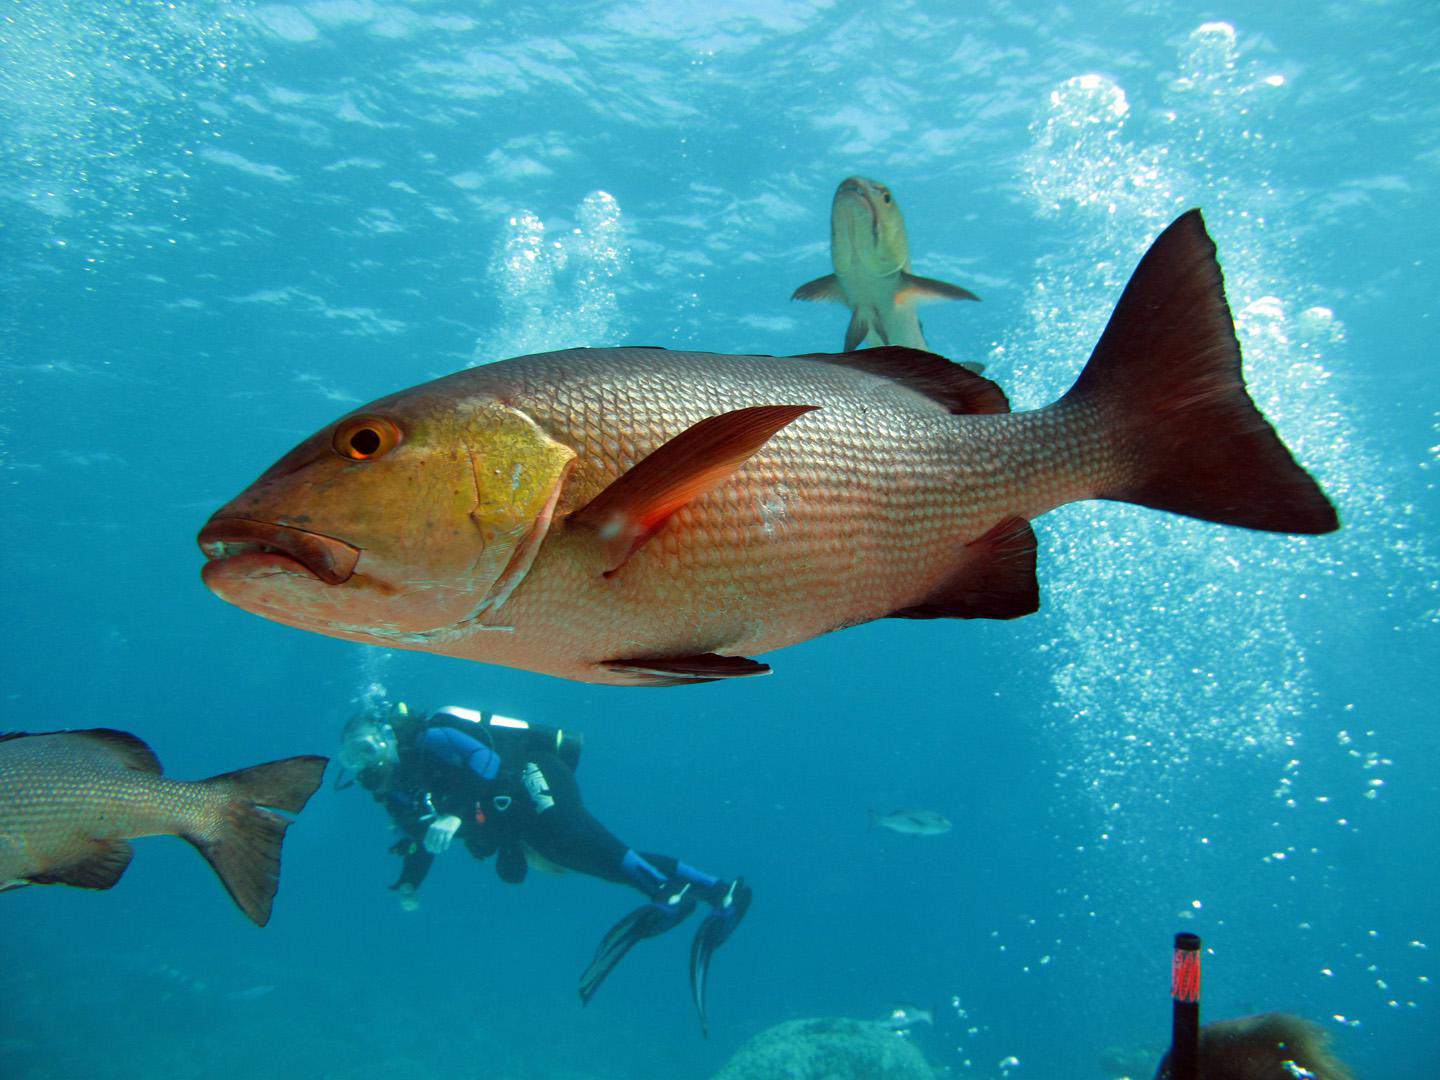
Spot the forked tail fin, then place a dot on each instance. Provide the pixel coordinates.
(243, 843)
(1165, 377)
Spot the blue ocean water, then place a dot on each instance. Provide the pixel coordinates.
(223, 225)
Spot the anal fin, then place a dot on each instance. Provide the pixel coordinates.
(683, 670)
(996, 581)
(99, 868)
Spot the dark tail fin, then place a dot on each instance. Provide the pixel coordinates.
(243, 841)
(1166, 378)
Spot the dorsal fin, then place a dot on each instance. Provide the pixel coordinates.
(125, 748)
(957, 388)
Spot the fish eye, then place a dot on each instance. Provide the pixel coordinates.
(887, 196)
(364, 438)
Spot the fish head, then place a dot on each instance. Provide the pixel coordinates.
(393, 525)
(867, 230)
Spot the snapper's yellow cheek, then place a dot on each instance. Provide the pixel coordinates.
(519, 471)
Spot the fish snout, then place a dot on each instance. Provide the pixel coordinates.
(225, 538)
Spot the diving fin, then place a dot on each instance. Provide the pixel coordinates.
(669, 909)
(713, 932)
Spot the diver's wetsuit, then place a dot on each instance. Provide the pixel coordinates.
(505, 803)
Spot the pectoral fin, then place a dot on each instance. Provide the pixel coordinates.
(98, 868)
(682, 670)
(919, 290)
(825, 288)
(698, 460)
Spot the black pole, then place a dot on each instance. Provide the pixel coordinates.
(1185, 1002)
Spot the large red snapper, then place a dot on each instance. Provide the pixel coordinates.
(649, 517)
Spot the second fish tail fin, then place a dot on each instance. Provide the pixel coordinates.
(1180, 430)
(242, 839)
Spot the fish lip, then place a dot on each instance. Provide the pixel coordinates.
(324, 557)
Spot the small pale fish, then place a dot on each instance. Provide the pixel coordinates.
(69, 801)
(911, 822)
(871, 255)
(253, 993)
(904, 1015)
(609, 515)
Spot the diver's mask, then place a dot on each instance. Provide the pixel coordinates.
(369, 749)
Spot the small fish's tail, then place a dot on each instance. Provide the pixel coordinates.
(1182, 433)
(242, 839)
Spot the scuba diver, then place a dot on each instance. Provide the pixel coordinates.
(507, 788)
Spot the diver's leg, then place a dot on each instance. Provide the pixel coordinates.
(674, 868)
(568, 835)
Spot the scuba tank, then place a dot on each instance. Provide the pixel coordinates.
(510, 737)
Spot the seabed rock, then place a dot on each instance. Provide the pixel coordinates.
(827, 1050)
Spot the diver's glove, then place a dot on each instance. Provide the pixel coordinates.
(673, 901)
(441, 832)
(731, 901)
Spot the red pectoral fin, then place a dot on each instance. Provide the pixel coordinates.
(698, 460)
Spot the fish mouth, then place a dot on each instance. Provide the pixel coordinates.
(280, 546)
(859, 204)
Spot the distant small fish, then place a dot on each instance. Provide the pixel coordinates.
(69, 801)
(904, 1015)
(871, 254)
(911, 822)
(254, 993)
